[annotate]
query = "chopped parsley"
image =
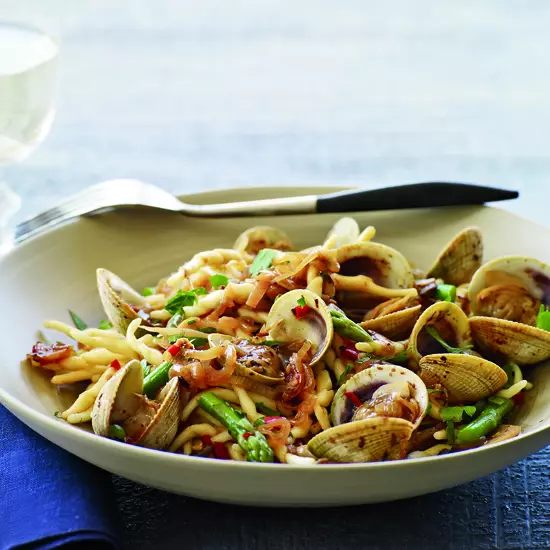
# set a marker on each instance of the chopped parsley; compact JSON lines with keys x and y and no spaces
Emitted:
{"x":207,"y":330}
{"x":446,"y":293}
{"x":78,"y":322}
{"x":218,"y":280}
{"x":149,"y":291}
{"x":105,"y":325}
{"x":344,"y":375}
{"x":454,"y":414}
{"x":435,"y":335}
{"x":543,"y":318}
{"x":271,"y":343}
{"x":262,"y":261}
{"x":399,"y":358}
{"x":450,"y":429}
{"x":302,"y":302}
{"x":183,"y":298}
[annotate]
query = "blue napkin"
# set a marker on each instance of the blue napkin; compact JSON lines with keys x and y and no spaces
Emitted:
{"x":50,"y":498}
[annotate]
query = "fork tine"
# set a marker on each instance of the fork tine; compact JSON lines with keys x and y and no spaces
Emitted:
{"x":88,"y":200}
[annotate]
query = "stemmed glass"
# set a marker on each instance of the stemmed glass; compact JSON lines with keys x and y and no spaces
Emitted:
{"x":28,"y":72}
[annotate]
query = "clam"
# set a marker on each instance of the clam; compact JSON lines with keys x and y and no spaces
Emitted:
{"x":147,"y":423}
{"x":467,"y":378}
{"x":301,"y":315}
{"x":257,"y":362}
{"x":460,"y":259}
{"x":116,"y":297}
{"x":262,"y":236}
{"x":517,"y":342}
{"x":388,"y":403}
{"x":450,"y":323}
{"x":344,"y":231}
{"x":393,"y":318}
{"x":511,"y":288}
{"x":371,"y":273}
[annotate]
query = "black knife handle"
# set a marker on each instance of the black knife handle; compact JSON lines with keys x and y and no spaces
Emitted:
{"x":416,"y":195}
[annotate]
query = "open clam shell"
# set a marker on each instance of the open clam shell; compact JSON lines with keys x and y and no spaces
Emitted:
{"x":460,"y":259}
{"x":315,"y":325}
{"x":467,"y":378}
{"x":253,"y":357}
{"x":344,"y":231}
{"x":517,"y":342}
{"x":396,"y":317}
{"x":448,"y":320}
{"x":367,"y":440}
{"x":371,"y":273}
{"x":361,"y":434}
{"x":511,"y":288}
{"x":262,"y":236}
{"x":116,"y":297}
{"x":121,"y":402}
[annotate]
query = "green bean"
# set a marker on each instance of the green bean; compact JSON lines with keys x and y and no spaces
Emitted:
{"x":252,"y":442}
{"x":156,"y":379}
{"x":489,"y":419}
{"x":347,"y":328}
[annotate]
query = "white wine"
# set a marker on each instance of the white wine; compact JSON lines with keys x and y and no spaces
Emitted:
{"x":28,"y":67}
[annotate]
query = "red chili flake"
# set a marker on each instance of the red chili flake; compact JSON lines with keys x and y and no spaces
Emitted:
{"x":353,"y":398}
{"x":247,"y":435}
{"x":268,"y":419}
{"x":174,"y":350}
{"x":207,"y":440}
{"x":301,"y":311}
{"x":349,"y":354}
{"x":115,"y":364}
{"x":220,"y":451}
{"x":519,"y":398}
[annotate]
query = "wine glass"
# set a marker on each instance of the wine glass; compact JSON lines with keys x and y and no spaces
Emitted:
{"x":28,"y":71}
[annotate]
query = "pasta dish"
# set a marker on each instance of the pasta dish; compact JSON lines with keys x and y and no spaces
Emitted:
{"x":342,"y":352}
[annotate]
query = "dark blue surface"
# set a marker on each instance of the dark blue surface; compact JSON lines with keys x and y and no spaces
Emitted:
{"x":48,"y":497}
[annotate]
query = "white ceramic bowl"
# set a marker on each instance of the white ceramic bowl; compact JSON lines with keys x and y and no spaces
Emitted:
{"x":55,"y":271}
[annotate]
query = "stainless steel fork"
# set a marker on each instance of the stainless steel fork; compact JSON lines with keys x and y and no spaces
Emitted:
{"x":127,"y":192}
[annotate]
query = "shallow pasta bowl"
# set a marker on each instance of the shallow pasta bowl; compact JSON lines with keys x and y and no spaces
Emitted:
{"x":42,"y":278}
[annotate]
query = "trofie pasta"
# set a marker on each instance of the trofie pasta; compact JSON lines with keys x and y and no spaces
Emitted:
{"x":338,"y":353}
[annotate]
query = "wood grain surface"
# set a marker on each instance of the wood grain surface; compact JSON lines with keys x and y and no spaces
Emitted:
{"x":203,"y":95}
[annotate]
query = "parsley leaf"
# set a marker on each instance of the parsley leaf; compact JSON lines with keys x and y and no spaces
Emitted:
{"x":207,"y":330}
{"x":435,"y":335}
{"x":149,"y":291}
{"x":399,"y":358}
{"x":146,"y":367}
{"x":344,"y":375}
{"x":78,"y":322}
{"x":271,"y":343}
{"x":543,"y":318}
{"x":105,"y":325}
{"x":262,"y":261}
{"x":454,"y":414}
{"x":183,"y":298}
{"x":218,"y":280}
{"x":302,"y":302}
{"x":446,"y":293}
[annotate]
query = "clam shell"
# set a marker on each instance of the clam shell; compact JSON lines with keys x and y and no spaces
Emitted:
{"x":451,"y":323}
{"x":460,"y":259}
{"x":116,"y":295}
{"x":522,"y":344}
{"x":344,"y":231}
{"x":528,"y":272}
{"x":316,"y":326}
{"x":468,"y":378}
{"x":240,"y":370}
{"x":163,"y":428}
{"x":394,"y":325}
{"x":262,"y":236}
{"x":361,"y":441}
{"x":371,"y":272}
{"x":117,"y":400}
{"x":376,"y":376}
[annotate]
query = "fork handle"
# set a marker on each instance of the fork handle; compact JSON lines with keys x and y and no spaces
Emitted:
{"x":416,"y":195}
